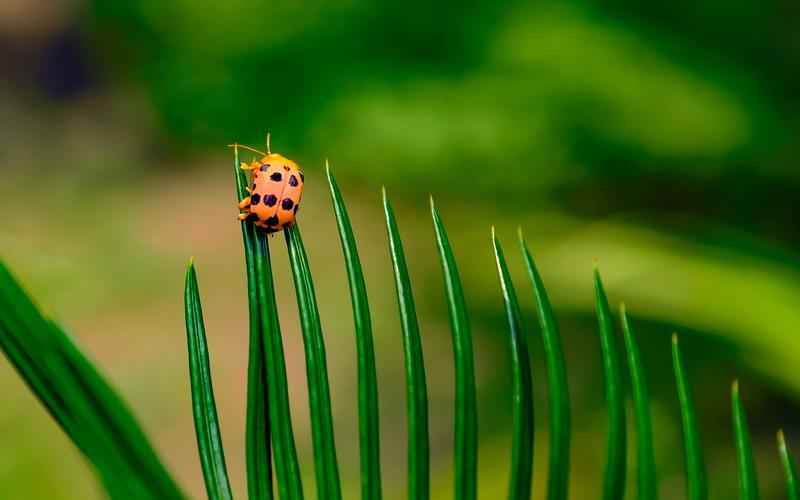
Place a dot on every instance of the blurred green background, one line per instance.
(659, 140)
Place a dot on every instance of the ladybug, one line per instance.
(275, 191)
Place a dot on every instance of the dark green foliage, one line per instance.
(368, 52)
(522, 392)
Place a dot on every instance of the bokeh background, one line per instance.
(659, 140)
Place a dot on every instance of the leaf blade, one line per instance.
(79, 399)
(417, 399)
(466, 408)
(113, 414)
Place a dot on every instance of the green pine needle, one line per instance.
(417, 392)
(466, 408)
(646, 480)
(558, 391)
(287, 468)
(614, 481)
(695, 464)
(368, 418)
(748, 480)
(257, 424)
(326, 465)
(789, 468)
(206, 423)
(522, 433)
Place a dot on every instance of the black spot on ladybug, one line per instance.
(254, 185)
(265, 167)
(286, 167)
(270, 200)
(252, 217)
(302, 177)
(272, 221)
(255, 198)
(296, 208)
(277, 177)
(287, 204)
(293, 181)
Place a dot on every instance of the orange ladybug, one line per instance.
(275, 192)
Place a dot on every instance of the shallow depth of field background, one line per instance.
(659, 141)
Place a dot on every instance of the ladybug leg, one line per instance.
(245, 204)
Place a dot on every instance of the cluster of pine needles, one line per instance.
(97, 420)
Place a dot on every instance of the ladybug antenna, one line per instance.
(237, 145)
(268, 150)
